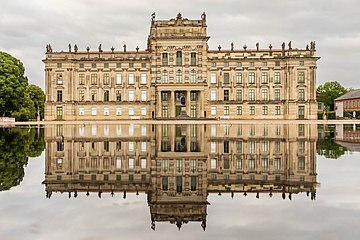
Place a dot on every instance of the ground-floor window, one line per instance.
(239, 110)
(301, 112)
(252, 110)
(193, 111)
(226, 110)
(164, 111)
(59, 112)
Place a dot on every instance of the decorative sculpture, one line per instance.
(283, 46)
(69, 47)
(124, 47)
(219, 47)
(179, 17)
(232, 46)
(153, 17)
(137, 48)
(245, 47)
(112, 49)
(87, 49)
(257, 46)
(203, 16)
(307, 47)
(100, 50)
(76, 48)
(289, 44)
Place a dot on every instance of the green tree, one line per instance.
(328, 92)
(17, 98)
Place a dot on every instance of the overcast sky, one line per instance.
(27, 26)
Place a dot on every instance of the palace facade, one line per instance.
(178, 76)
(178, 166)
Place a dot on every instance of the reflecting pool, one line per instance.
(285, 181)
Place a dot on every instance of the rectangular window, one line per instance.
(301, 112)
(179, 78)
(213, 78)
(226, 78)
(213, 147)
(193, 111)
(226, 64)
(238, 94)
(179, 165)
(106, 95)
(143, 78)
(143, 111)
(178, 58)
(301, 63)
(106, 146)
(131, 111)
(213, 64)
(264, 94)
(81, 111)
(301, 77)
(301, 163)
(226, 95)
(193, 183)
(251, 94)
(238, 64)
(118, 65)
(93, 111)
(81, 95)
(239, 77)
(143, 95)
(131, 65)
(193, 58)
(106, 111)
(277, 94)
(251, 147)
(143, 147)
(131, 96)
(59, 79)
(277, 79)
(277, 147)
(213, 111)
(213, 163)
(193, 76)
(226, 110)
(59, 65)
(264, 78)
(238, 163)
(164, 96)
(118, 111)
(59, 95)
(106, 79)
(264, 146)
(239, 110)
(165, 59)
(226, 164)
(252, 164)
(252, 110)
(131, 146)
(277, 163)
(131, 79)
(118, 95)
(118, 79)
(277, 110)
(193, 96)
(239, 146)
(81, 79)
(301, 95)
(264, 163)
(165, 77)
(93, 65)
(93, 79)
(165, 183)
(131, 163)
(213, 95)
(251, 77)
(265, 110)
(164, 111)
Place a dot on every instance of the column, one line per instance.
(188, 103)
(172, 104)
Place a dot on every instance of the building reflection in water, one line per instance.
(177, 166)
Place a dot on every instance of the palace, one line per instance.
(178, 166)
(178, 76)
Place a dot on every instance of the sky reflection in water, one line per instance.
(26, 212)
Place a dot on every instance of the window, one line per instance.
(239, 110)
(118, 111)
(252, 64)
(106, 95)
(81, 111)
(193, 111)
(301, 95)
(239, 146)
(277, 110)
(118, 95)
(143, 146)
(178, 76)
(226, 64)
(264, 94)
(131, 79)
(164, 111)
(301, 147)
(277, 79)
(264, 146)
(277, 63)
(131, 65)
(59, 65)
(301, 77)
(178, 58)
(106, 111)
(252, 110)
(213, 64)
(264, 163)
(301, 163)
(131, 163)
(118, 65)
(193, 76)
(277, 163)
(81, 65)
(301, 112)
(226, 163)
(213, 111)
(301, 130)
(59, 95)
(106, 146)
(226, 110)
(193, 58)
(251, 94)
(164, 96)
(265, 110)
(165, 77)
(213, 95)
(213, 78)
(179, 164)
(238, 77)
(81, 95)
(264, 77)
(213, 147)
(252, 164)
(165, 59)
(143, 95)
(118, 78)
(143, 65)
(238, 94)
(226, 78)
(193, 96)
(143, 78)
(277, 147)
(226, 95)
(131, 96)
(93, 79)
(251, 77)
(93, 65)
(93, 111)
(277, 95)
(238, 163)
(213, 163)
(131, 111)
(81, 79)
(301, 63)
(106, 79)
(143, 111)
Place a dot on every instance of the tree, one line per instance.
(17, 98)
(328, 92)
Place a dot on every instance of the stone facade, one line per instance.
(178, 166)
(177, 76)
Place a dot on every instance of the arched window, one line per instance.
(178, 58)
(178, 76)
(193, 76)
(165, 77)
